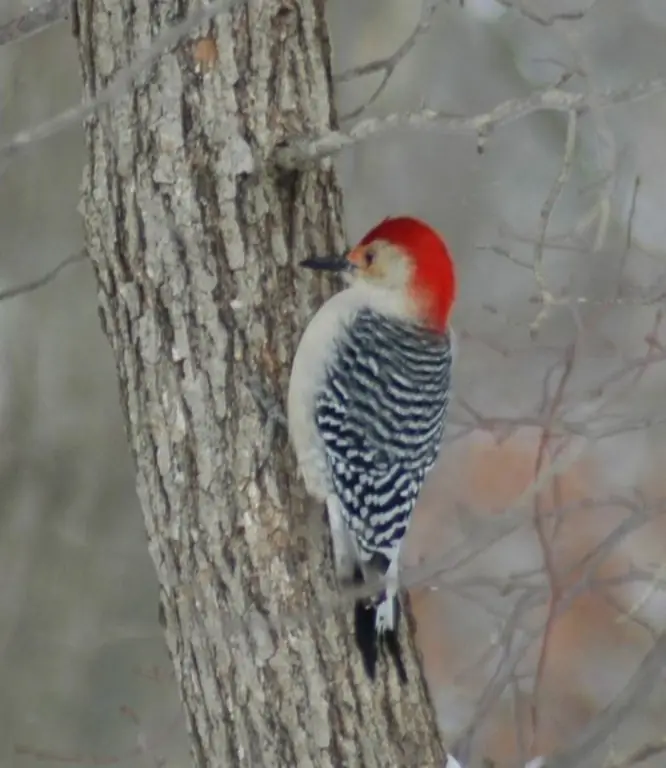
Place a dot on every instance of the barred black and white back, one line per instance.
(381, 417)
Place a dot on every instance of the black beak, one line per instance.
(328, 264)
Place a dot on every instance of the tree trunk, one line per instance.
(195, 249)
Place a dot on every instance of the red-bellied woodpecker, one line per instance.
(368, 398)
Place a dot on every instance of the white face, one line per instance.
(381, 264)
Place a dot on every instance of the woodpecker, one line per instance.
(367, 405)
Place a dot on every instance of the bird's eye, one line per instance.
(370, 256)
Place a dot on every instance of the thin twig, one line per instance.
(388, 65)
(606, 144)
(521, 7)
(33, 20)
(505, 253)
(40, 282)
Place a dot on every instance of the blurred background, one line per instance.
(574, 396)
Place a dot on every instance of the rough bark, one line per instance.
(194, 248)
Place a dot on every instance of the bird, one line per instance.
(367, 405)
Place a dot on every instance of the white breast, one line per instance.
(315, 353)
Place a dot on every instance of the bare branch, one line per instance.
(39, 282)
(35, 19)
(120, 85)
(388, 64)
(304, 151)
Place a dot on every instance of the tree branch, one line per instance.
(39, 282)
(35, 19)
(304, 151)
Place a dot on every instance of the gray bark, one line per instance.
(195, 248)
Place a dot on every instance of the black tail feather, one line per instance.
(364, 627)
(366, 635)
(392, 644)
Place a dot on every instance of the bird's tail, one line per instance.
(368, 640)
